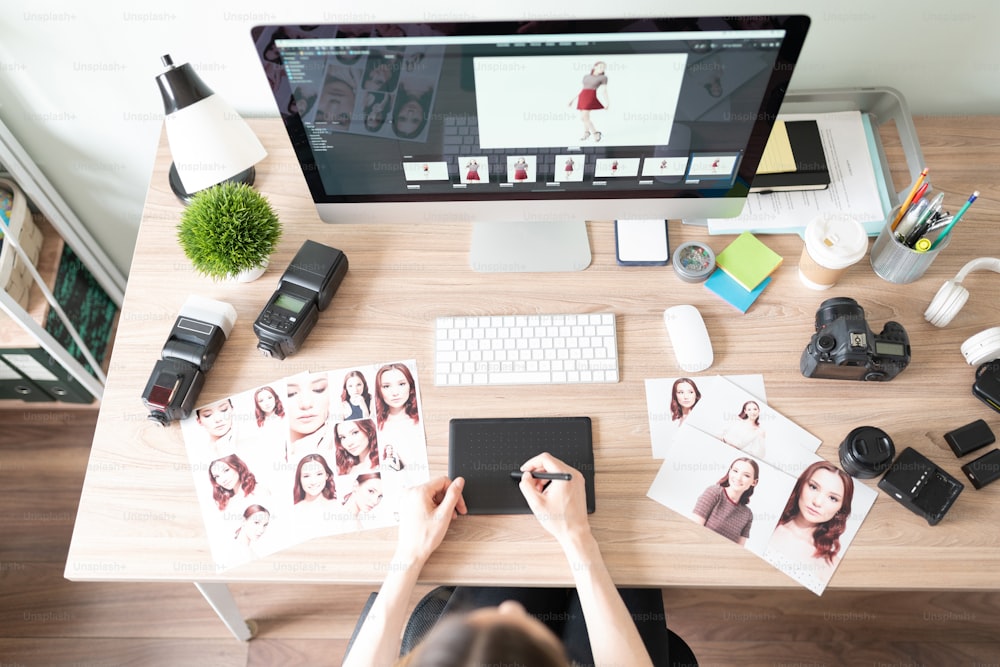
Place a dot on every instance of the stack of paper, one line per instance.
(745, 267)
(719, 439)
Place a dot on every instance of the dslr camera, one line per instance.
(845, 348)
(202, 326)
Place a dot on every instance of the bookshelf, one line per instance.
(37, 364)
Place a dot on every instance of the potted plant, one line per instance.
(229, 231)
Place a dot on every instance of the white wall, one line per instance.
(77, 81)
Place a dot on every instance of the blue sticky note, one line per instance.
(723, 284)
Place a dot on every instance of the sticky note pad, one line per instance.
(748, 261)
(723, 284)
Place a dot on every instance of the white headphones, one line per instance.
(984, 346)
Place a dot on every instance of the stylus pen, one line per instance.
(564, 476)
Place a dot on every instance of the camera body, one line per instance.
(844, 347)
(192, 346)
(306, 288)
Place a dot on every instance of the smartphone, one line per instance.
(642, 242)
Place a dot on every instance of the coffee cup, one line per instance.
(833, 242)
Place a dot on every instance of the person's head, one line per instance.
(255, 520)
(683, 396)
(504, 635)
(336, 99)
(380, 73)
(742, 477)
(266, 403)
(410, 113)
(367, 491)
(308, 403)
(313, 478)
(376, 111)
(599, 67)
(355, 384)
(822, 498)
(228, 475)
(750, 412)
(395, 392)
(216, 418)
(355, 442)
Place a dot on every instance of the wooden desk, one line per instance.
(139, 519)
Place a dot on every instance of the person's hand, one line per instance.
(560, 506)
(426, 512)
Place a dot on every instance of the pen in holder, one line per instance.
(897, 262)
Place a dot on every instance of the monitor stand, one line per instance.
(530, 246)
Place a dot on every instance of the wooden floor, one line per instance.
(47, 620)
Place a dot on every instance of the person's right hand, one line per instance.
(560, 506)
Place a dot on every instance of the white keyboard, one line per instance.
(525, 349)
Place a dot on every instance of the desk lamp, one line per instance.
(210, 142)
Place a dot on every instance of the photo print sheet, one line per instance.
(669, 402)
(741, 419)
(766, 492)
(310, 455)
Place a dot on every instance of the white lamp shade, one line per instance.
(210, 142)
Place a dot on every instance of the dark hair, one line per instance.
(381, 408)
(826, 537)
(248, 482)
(675, 408)
(279, 409)
(743, 412)
(329, 491)
(346, 460)
(365, 393)
(457, 642)
(724, 482)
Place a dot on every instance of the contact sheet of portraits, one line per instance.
(741, 469)
(310, 455)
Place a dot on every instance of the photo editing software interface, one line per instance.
(486, 111)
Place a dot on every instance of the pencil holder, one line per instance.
(896, 262)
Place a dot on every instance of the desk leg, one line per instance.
(221, 599)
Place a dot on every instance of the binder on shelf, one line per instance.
(47, 373)
(13, 385)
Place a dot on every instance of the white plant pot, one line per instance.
(251, 275)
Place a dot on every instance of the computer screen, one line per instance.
(530, 128)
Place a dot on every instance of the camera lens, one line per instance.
(837, 307)
(866, 452)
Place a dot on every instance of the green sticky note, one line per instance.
(748, 261)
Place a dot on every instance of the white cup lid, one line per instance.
(835, 240)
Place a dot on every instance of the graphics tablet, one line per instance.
(486, 451)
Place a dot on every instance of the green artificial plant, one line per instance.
(227, 229)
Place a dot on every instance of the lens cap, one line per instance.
(866, 452)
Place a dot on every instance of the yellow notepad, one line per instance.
(748, 261)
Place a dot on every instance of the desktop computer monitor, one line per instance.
(529, 129)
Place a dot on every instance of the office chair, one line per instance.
(428, 610)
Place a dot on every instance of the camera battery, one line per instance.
(983, 470)
(969, 438)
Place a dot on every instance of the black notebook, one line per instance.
(811, 172)
(486, 451)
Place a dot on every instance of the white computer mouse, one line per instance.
(689, 338)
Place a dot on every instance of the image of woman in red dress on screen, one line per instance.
(587, 100)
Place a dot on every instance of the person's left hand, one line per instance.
(426, 512)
